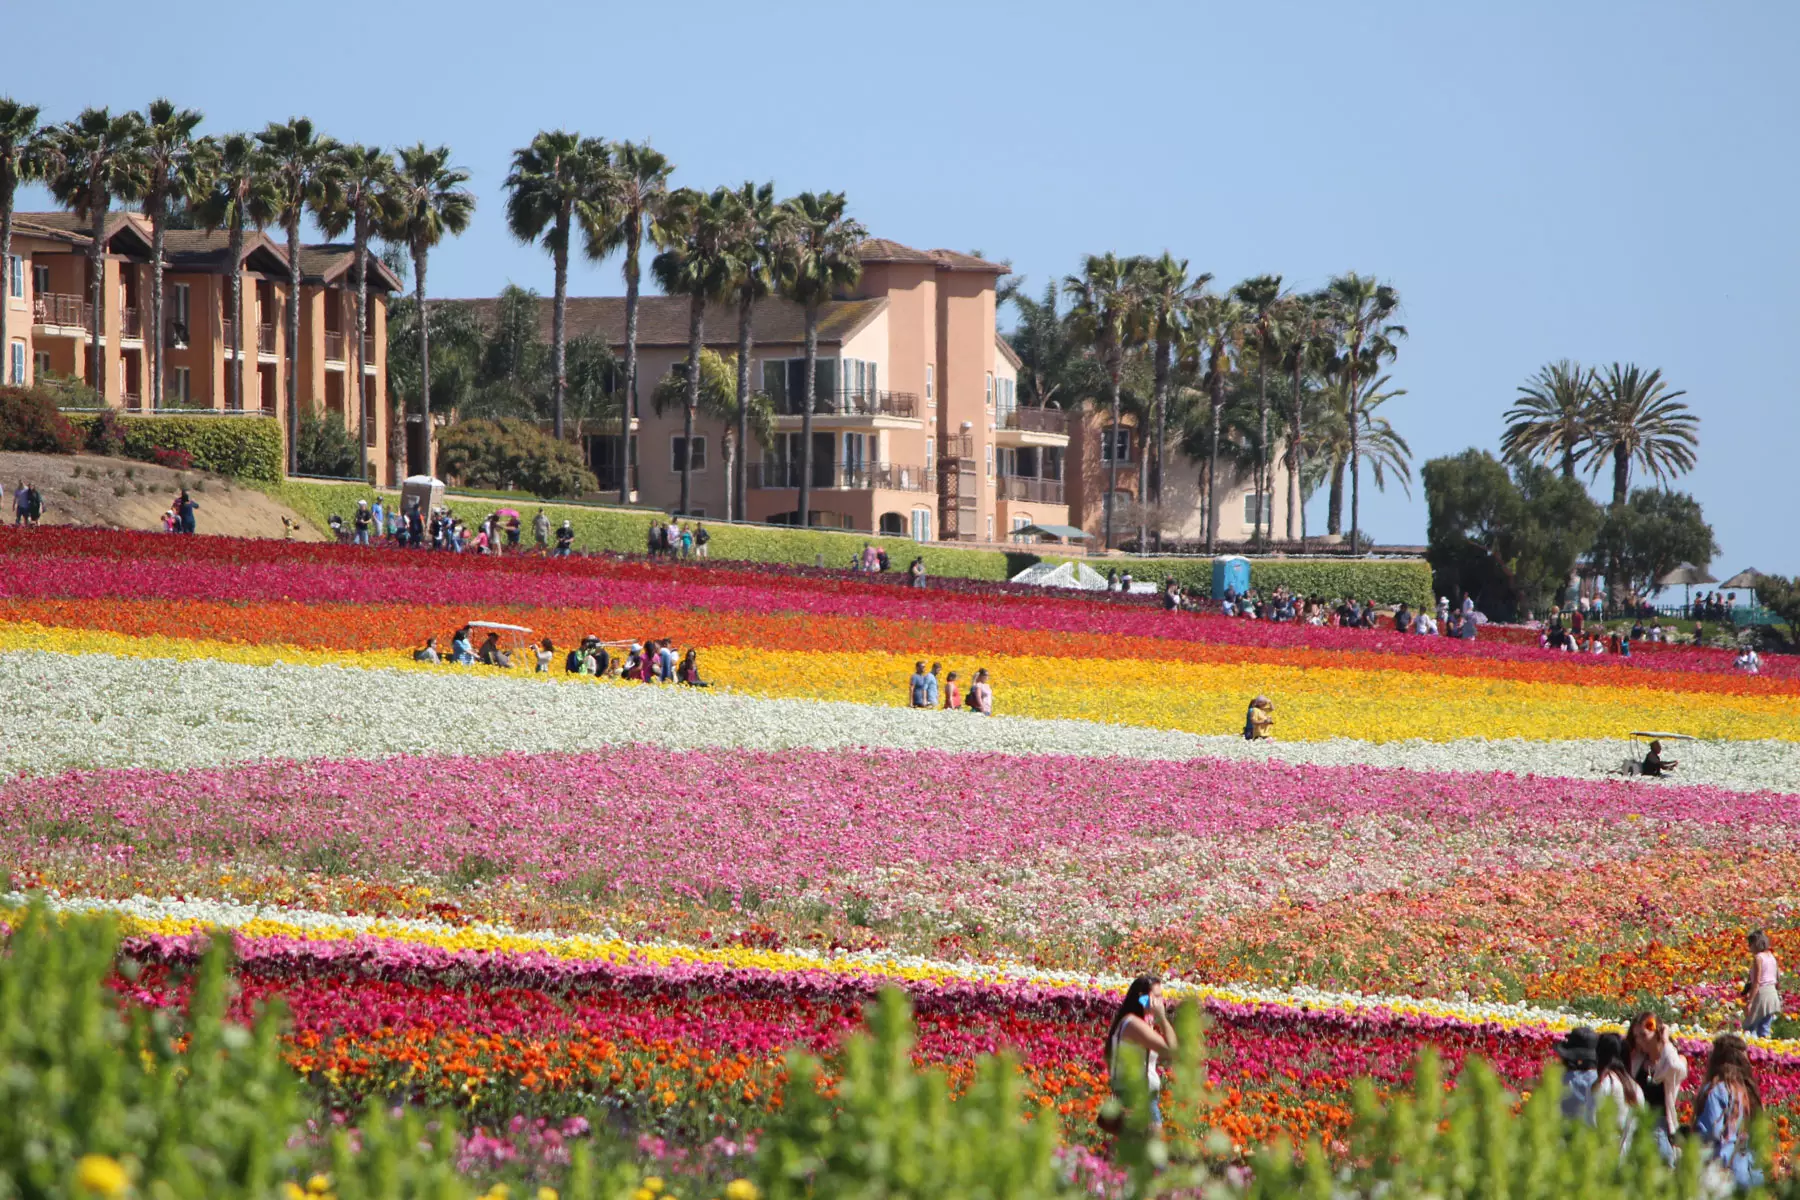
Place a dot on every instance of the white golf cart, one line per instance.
(1640, 747)
(516, 641)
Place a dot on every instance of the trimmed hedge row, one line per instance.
(248, 448)
(624, 529)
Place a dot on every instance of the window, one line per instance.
(990, 389)
(990, 460)
(930, 383)
(178, 315)
(15, 366)
(678, 452)
(930, 451)
(180, 386)
(990, 527)
(1019, 523)
(41, 362)
(921, 524)
(1115, 444)
(40, 280)
(1254, 513)
(15, 276)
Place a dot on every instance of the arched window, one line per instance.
(892, 525)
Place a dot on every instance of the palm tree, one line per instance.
(1550, 418)
(1637, 418)
(21, 159)
(820, 259)
(1165, 291)
(695, 262)
(428, 201)
(1220, 323)
(241, 195)
(559, 179)
(1362, 308)
(1056, 368)
(168, 165)
(723, 399)
(361, 179)
(760, 226)
(641, 179)
(1303, 322)
(1105, 314)
(1384, 449)
(299, 162)
(1262, 299)
(92, 168)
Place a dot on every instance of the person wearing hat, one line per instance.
(1581, 1063)
(565, 538)
(1258, 723)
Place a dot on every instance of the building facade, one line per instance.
(50, 309)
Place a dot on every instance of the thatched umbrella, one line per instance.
(1687, 575)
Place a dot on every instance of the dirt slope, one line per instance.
(121, 493)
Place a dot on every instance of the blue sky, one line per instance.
(1540, 180)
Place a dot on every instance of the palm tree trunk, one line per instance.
(731, 461)
(1621, 475)
(1112, 454)
(1350, 406)
(234, 378)
(7, 191)
(1568, 462)
(1212, 465)
(97, 290)
(1162, 431)
(1298, 450)
(423, 443)
(1265, 482)
(293, 343)
(359, 238)
(739, 480)
(157, 219)
(628, 405)
(1143, 504)
(806, 413)
(1334, 508)
(559, 311)
(696, 334)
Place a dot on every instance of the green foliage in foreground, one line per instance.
(99, 1103)
(246, 447)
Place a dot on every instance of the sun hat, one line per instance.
(1578, 1048)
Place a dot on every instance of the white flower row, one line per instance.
(95, 710)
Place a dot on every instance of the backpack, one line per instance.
(572, 664)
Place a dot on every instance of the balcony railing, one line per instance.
(959, 445)
(131, 325)
(265, 339)
(131, 400)
(1037, 420)
(865, 402)
(55, 308)
(334, 347)
(849, 476)
(1037, 491)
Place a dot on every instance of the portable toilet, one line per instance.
(420, 492)
(1231, 572)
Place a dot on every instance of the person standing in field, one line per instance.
(1659, 1070)
(540, 530)
(952, 693)
(981, 695)
(1142, 1020)
(931, 685)
(919, 686)
(1762, 999)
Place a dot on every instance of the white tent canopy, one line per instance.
(1063, 575)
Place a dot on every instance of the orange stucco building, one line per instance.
(49, 310)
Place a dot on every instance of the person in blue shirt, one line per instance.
(460, 649)
(931, 685)
(1580, 1060)
(1729, 1102)
(919, 686)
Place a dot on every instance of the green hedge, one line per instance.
(246, 447)
(623, 529)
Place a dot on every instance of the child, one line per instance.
(1762, 1000)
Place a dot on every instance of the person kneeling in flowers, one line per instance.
(1258, 723)
(1142, 1020)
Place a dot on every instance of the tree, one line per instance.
(512, 375)
(593, 394)
(510, 454)
(559, 180)
(428, 202)
(92, 168)
(1781, 595)
(695, 262)
(1638, 419)
(355, 191)
(327, 447)
(1551, 419)
(1220, 324)
(721, 394)
(1165, 291)
(754, 246)
(169, 165)
(1056, 369)
(1262, 299)
(299, 161)
(1650, 535)
(1362, 309)
(1304, 323)
(22, 146)
(1105, 316)
(241, 195)
(459, 348)
(642, 189)
(1379, 443)
(821, 259)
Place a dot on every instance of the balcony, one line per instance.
(265, 339)
(131, 325)
(55, 308)
(893, 477)
(1036, 491)
(864, 402)
(334, 347)
(131, 400)
(1037, 420)
(958, 445)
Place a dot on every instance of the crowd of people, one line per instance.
(677, 540)
(653, 660)
(934, 689)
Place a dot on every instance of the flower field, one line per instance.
(528, 895)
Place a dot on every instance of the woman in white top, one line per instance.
(1615, 1085)
(1659, 1070)
(545, 652)
(1143, 1021)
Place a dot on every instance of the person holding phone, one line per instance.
(1142, 1020)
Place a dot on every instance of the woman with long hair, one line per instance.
(1659, 1070)
(1728, 1103)
(1613, 1082)
(1142, 1020)
(1762, 999)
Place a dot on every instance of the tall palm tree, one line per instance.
(696, 262)
(1378, 442)
(21, 160)
(92, 156)
(560, 179)
(1221, 323)
(820, 260)
(1262, 299)
(168, 166)
(724, 401)
(641, 179)
(241, 195)
(1165, 292)
(1638, 419)
(1550, 419)
(358, 185)
(1105, 312)
(1303, 323)
(428, 201)
(1363, 309)
(300, 162)
(756, 234)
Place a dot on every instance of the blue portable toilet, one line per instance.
(1231, 572)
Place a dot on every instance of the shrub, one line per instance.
(29, 422)
(1386, 581)
(106, 435)
(326, 446)
(511, 453)
(169, 456)
(246, 447)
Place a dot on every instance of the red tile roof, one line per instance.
(663, 320)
